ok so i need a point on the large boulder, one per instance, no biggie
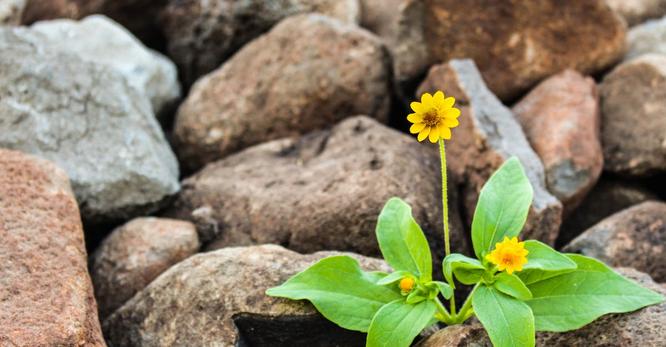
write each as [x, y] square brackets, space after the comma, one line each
[307, 73]
[87, 119]
[202, 34]
[561, 118]
[321, 192]
[516, 43]
[134, 254]
[46, 297]
[633, 110]
[638, 11]
[218, 299]
[649, 37]
[11, 11]
[487, 136]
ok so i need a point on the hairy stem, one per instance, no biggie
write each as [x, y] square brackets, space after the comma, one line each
[447, 319]
[445, 214]
[465, 311]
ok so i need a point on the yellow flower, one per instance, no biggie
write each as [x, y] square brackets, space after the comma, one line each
[509, 254]
[433, 117]
[406, 284]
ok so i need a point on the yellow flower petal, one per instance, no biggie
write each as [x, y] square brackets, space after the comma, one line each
[423, 134]
[416, 107]
[434, 135]
[452, 113]
[448, 102]
[415, 128]
[426, 100]
[438, 98]
[445, 132]
[451, 122]
[415, 117]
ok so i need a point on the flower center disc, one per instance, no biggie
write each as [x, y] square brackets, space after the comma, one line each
[431, 118]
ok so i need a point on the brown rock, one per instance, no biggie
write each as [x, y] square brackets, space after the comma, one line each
[634, 238]
[633, 111]
[307, 73]
[11, 11]
[202, 34]
[323, 191]
[135, 254]
[516, 43]
[560, 118]
[217, 298]
[468, 335]
[487, 136]
[36, 10]
[46, 297]
[638, 11]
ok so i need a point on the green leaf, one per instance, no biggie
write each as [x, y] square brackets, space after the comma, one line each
[508, 321]
[512, 285]
[397, 323]
[542, 257]
[467, 270]
[571, 300]
[444, 288]
[502, 209]
[394, 277]
[340, 290]
[415, 297]
[401, 240]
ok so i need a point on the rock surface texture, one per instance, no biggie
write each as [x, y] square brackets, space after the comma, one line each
[201, 34]
[46, 297]
[487, 136]
[134, 254]
[11, 11]
[633, 108]
[649, 37]
[516, 43]
[638, 11]
[88, 120]
[217, 298]
[561, 118]
[307, 73]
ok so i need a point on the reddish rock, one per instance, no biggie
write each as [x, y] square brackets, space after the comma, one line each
[633, 109]
[308, 73]
[560, 118]
[635, 237]
[487, 136]
[36, 10]
[638, 11]
[46, 297]
[516, 43]
[135, 254]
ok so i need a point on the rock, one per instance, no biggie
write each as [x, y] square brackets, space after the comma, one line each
[649, 37]
[516, 43]
[36, 10]
[321, 192]
[217, 298]
[134, 254]
[487, 136]
[98, 39]
[307, 73]
[202, 34]
[11, 11]
[633, 109]
[638, 11]
[88, 120]
[46, 297]
[634, 238]
[468, 335]
[560, 118]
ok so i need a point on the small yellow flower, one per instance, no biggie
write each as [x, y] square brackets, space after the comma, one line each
[509, 254]
[433, 117]
[406, 284]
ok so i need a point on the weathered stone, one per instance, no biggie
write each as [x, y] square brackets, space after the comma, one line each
[135, 254]
[487, 136]
[649, 37]
[218, 298]
[11, 11]
[98, 39]
[307, 73]
[323, 191]
[202, 34]
[638, 11]
[516, 43]
[633, 111]
[88, 120]
[560, 118]
[634, 238]
[36, 10]
[46, 297]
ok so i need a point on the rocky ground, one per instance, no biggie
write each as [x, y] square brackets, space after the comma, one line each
[163, 163]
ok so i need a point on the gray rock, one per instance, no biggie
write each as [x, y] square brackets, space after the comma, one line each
[649, 37]
[87, 119]
[638, 11]
[218, 299]
[134, 254]
[98, 39]
[11, 11]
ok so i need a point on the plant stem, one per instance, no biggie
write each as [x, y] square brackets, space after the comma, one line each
[464, 314]
[445, 314]
[445, 214]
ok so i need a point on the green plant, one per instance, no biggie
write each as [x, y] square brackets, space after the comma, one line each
[518, 287]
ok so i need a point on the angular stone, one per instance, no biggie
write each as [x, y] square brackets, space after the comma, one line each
[135, 254]
[633, 111]
[218, 298]
[516, 43]
[88, 120]
[46, 297]
[487, 136]
[307, 73]
[561, 118]
[11, 11]
[98, 39]
[649, 37]
[37, 10]
[323, 191]
[633, 238]
[202, 34]
[638, 11]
